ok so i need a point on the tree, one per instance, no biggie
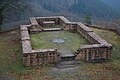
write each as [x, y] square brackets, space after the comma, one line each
[88, 20]
[7, 5]
[4, 4]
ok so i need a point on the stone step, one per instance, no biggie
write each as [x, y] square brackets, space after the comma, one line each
[52, 29]
[66, 64]
[69, 58]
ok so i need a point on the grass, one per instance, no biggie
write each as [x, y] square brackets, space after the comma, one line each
[11, 62]
[44, 40]
[11, 59]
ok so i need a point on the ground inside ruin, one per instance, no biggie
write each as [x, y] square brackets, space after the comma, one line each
[67, 42]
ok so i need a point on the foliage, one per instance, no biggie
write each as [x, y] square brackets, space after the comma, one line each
[114, 4]
[95, 8]
[88, 20]
[49, 7]
[3, 5]
[23, 9]
[8, 8]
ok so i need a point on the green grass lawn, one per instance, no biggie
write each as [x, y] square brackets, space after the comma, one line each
[44, 40]
[11, 62]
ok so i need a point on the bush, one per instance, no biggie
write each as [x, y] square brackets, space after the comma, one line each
[88, 20]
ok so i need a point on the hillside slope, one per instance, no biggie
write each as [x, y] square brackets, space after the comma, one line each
[27, 8]
[95, 8]
[113, 3]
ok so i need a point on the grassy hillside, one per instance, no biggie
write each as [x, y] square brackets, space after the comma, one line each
[11, 62]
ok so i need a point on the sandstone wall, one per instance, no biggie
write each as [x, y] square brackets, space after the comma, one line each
[94, 52]
[99, 49]
[40, 57]
[35, 57]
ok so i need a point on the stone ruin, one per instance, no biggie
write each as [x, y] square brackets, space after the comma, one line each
[99, 49]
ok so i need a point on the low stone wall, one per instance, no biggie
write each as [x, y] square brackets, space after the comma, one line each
[35, 25]
[94, 52]
[40, 57]
[99, 49]
[37, 22]
[41, 20]
[35, 57]
[82, 29]
[70, 26]
[63, 21]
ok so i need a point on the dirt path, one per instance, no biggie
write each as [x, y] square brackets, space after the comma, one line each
[71, 73]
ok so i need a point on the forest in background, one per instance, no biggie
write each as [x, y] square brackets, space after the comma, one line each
[17, 10]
